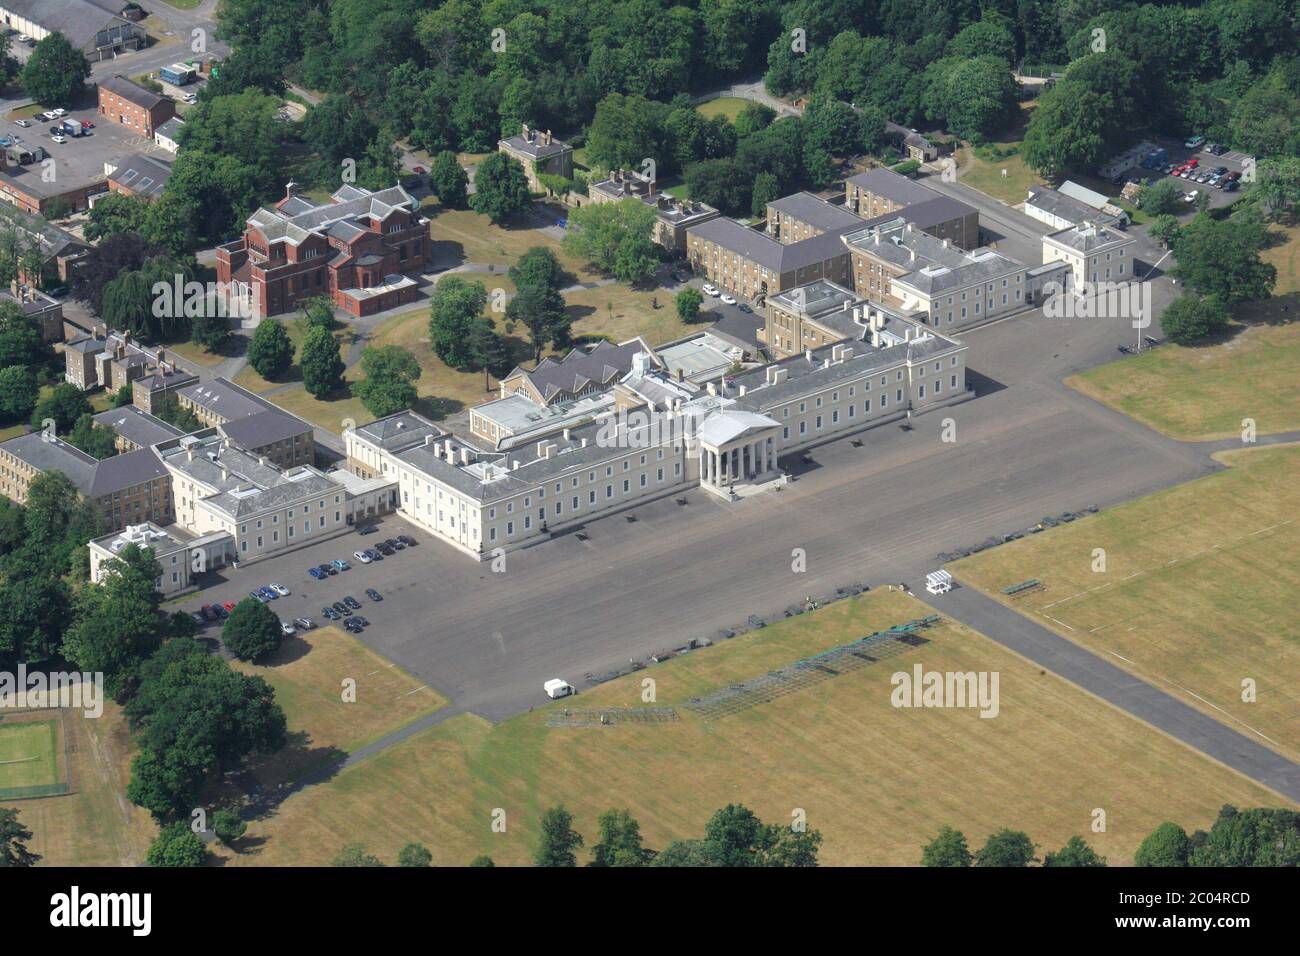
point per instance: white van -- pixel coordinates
(556, 688)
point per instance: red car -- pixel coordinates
(87, 124)
(418, 170)
(228, 605)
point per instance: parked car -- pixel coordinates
(341, 565)
(711, 290)
(23, 123)
(198, 618)
(208, 613)
(727, 299)
(259, 596)
(316, 573)
(220, 612)
(304, 623)
(394, 543)
(360, 620)
(24, 38)
(87, 124)
(373, 594)
(341, 609)
(1221, 170)
(362, 556)
(327, 569)
(288, 630)
(351, 625)
(59, 112)
(367, 529)
(1218, 149)
(59, 138)
(1194, 142)
(351, 602)
(407, 540)
(746, 309)
(270, 594)
(1191, 196)
(46, 116)
(329, 614)
(1234, 175)
(1230, 185)
(279, 589)
(228, 605)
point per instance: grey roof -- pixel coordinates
(815, 298)
(263, 428)
(740, 329)
(226, 399)
(349, 202)
(1065, 207)
(81, 21)
(123, 471)
(399, 430)
(777, 257)
(167, 379)
(170, 129)
(292, 486)
(142, 175)
(929, 264)
(602, 363)
(87, 343)
(54, 455)
(893, 186)
(1088, 237)
(131, 91)
(533, 147)
(933, 211)
(137, 426)
(814, 211)
(53, 240)
(39, 302)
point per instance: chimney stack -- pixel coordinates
(807, 354)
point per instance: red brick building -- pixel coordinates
(131, 105)
(360, 249)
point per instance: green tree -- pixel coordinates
(1167, 845)
(620, 841)
(1006, 848)
(13, 841)
(615, 237)
(766, 189)
(482, 861)
(389, 376)
(947, 849)
(448, 180)
(58, 523)
(1164, 229)
(56, 72)
(116, 212)
(689, 301)
(354, 854)
(1255, 837)
(538, 267)
(37, 606)
(95, 440)
(64, 404)
(454, 308)
(18, 389)
(724, 184)
(270, 351)
(413, 854)
(228, 825)
(21, 341)
(176, 845)
(1191, 319)
(210, 330)
(1220, 258)
(500, 188)
(558, 842)
(542, 312)
(116, 625)
(1075, 853)
(488, 350)
(1161, 198)
(321, 363)
(252, 631)
(734, 836)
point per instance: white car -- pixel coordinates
(361, 556)
(58, 112)
(711, 290)
(24, 38)
(59, 138)
(728, 299)
(279, 589)
(47, 116)
(1191, 196)
(23, 123)
(288, 630)
(191, 98)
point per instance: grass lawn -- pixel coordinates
(633, 313)
(94, 825)
(1285, 257)
(1198, 594)
(308, 674)
(1204, 392)
(28, 753)
(986, 174)
(25, 112)
(877, 781)
(194, 354)
(728, 106)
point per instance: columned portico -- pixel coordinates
(736, 448)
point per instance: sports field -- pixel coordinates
(1197, 394)
(1198, 595)
(28, 754)
(94, 824)
(876, 780)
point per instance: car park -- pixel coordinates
(279, 589)
(362, 556)
(304, 623)
(727, 299)
(341, 609)
(351, 602)
(710, 290)
(373, 594)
